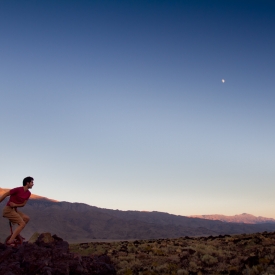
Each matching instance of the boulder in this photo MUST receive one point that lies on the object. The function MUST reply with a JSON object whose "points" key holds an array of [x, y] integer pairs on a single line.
{"points": [[50, 255], [34, 237]]}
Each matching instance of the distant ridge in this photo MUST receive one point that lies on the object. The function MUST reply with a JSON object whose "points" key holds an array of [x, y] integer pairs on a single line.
{"points": [[79, 222], [242, 218]]}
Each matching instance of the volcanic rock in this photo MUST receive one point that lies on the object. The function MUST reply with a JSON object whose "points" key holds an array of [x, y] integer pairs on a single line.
{"points": [[50, 255]]}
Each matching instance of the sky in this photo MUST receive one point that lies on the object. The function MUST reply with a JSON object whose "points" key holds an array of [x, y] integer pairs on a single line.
{"points": [[121, 104]]}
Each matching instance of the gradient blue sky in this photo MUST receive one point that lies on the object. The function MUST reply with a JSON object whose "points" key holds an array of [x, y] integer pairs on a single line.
{"points": [[120, 104]]}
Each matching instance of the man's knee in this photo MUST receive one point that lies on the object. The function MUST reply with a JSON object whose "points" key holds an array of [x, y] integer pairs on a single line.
{"points": [[22, 224], [26, 219]]}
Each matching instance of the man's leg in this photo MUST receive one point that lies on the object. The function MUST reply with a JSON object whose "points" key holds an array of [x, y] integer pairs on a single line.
{"points": [[25, 218], [15, 217], [17, 231]]}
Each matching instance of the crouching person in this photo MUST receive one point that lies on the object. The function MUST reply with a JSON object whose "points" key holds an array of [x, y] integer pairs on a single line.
{"points": [[18, 198]]}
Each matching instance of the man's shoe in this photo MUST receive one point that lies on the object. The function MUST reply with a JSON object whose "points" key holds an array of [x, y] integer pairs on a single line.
{"points": [[12, 244]]}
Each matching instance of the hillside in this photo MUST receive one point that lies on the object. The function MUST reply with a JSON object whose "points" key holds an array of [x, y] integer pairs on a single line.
{"points": [[76, 222]]}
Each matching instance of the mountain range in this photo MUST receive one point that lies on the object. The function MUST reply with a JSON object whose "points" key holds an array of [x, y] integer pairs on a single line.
{"points": [[242, 218], [79, 222]]}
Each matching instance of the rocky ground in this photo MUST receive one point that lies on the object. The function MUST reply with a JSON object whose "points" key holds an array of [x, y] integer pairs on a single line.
{"points": [[49, 255], [247, 254]]}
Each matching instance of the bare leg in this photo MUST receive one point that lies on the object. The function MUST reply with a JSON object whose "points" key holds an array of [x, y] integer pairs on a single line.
{"points": [[20, 227], [26, 218], [16, 232]]}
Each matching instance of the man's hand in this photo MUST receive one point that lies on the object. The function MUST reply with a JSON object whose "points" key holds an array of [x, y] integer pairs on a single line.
{"points": [[12, 204]]}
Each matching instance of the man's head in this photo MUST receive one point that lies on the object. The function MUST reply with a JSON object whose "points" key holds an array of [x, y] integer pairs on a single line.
{"points": [[28, 181]]}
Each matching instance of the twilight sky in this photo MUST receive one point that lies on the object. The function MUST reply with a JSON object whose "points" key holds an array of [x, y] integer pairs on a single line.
{"points": [[121, 105]]}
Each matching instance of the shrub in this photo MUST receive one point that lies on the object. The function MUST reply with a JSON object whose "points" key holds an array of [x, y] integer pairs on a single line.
{"points": [[182, 272], [209, 260], [158, 252], [122, 264], [128, 272], [193, 266], [161, 268]]}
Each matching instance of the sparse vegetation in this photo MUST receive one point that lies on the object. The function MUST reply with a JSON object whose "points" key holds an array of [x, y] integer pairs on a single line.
{"points": [[245, 254]]}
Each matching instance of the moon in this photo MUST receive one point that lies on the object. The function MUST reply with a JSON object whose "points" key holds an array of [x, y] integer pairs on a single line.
{"points": [[223, 80]]}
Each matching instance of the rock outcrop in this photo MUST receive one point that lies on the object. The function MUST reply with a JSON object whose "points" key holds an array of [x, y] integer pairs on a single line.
{"points": [[50, 255]]}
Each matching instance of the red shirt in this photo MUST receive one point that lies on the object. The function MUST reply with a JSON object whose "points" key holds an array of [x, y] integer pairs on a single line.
{"points": [[18, 195]]}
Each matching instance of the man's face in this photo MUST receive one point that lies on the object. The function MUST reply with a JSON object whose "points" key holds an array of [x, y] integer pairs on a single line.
{"points": [[30, 184]]}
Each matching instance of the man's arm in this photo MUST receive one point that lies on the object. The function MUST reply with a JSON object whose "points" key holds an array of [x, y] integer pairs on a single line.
{"points": [[4, 196], [12, 204]]}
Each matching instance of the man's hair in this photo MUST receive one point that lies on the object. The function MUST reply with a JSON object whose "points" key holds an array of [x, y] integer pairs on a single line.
{"points": [[27, 180]]}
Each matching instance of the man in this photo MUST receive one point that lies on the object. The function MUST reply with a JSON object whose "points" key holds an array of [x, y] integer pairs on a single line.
{"points": [[18, 198]]}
